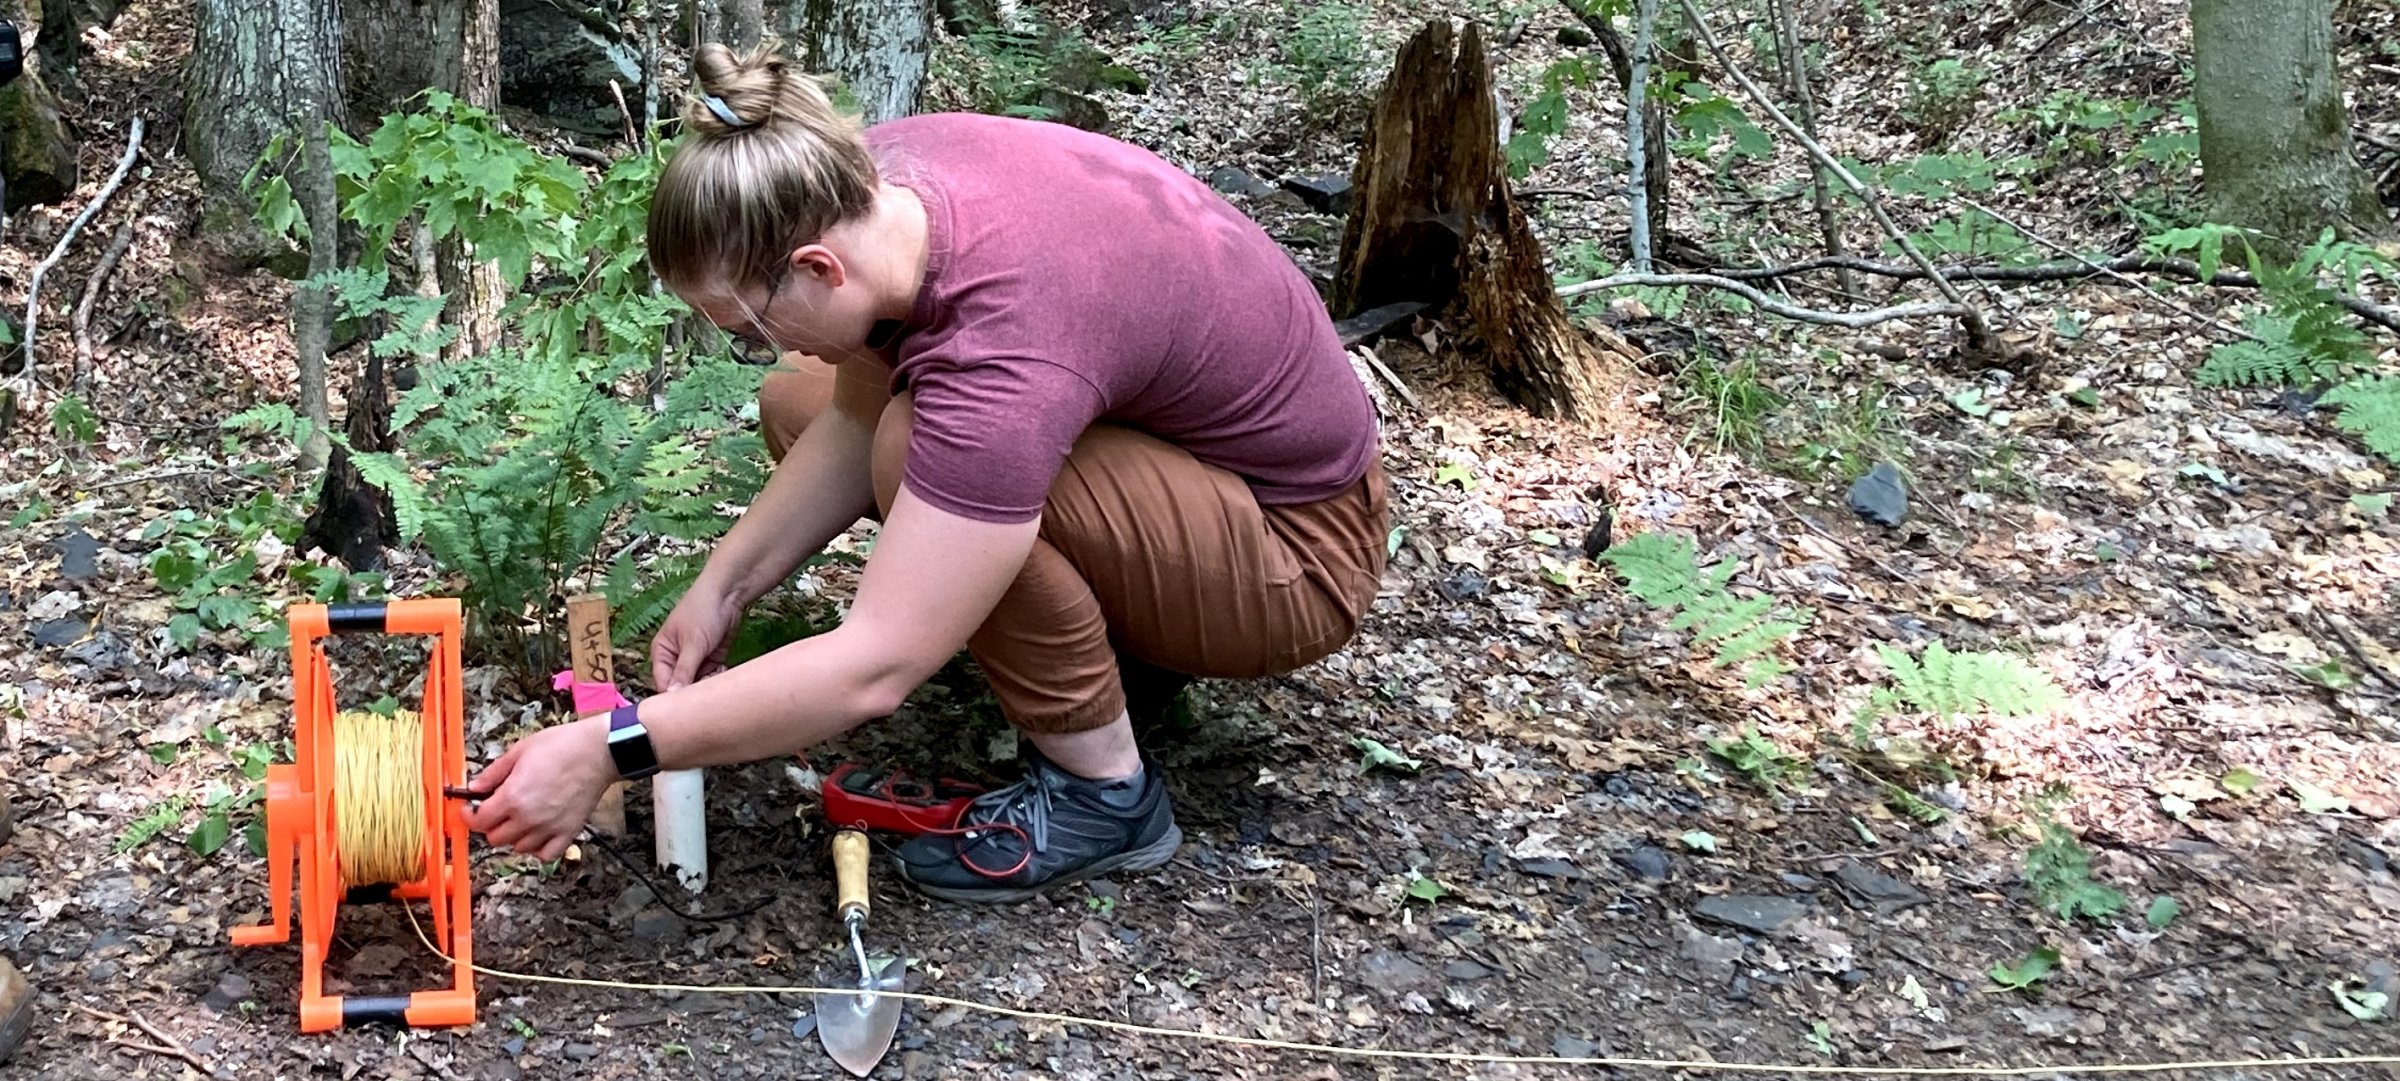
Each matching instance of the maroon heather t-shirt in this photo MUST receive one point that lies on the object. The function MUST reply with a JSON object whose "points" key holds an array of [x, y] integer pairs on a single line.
{"points": [[1072, 277]]}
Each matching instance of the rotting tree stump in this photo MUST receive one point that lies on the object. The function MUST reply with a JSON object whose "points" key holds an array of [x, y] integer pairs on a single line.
{"points": [[1434, 223]]}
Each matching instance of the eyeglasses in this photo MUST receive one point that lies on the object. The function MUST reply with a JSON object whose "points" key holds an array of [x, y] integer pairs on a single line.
{"points": [[749, 350]]}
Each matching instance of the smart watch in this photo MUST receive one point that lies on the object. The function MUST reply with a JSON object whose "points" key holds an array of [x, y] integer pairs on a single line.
{"points": [[629, 744]]}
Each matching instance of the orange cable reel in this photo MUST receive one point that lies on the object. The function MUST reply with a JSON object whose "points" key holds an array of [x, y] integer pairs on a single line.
{"points": [[361, 813]]}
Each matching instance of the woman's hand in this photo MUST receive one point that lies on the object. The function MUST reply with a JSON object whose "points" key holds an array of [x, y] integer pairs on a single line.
{"points": [[540, 794], [692, 642]]}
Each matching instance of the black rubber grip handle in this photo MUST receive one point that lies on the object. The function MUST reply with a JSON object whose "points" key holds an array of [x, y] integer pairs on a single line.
{"points": [[381, 1009], [371, 894], [355, 618]]}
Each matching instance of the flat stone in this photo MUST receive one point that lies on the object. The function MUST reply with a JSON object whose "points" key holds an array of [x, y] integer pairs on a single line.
{"points": [[1881, 496], [1376, 320], [1798, 881], [1645, 861], [1565, 1046], [1757, 915], [1234, 180], [1393, 973], [805, 1027], [514, 1045], [1467, 970], [581, 1052], [1551, 868], [78, 555], [659, 925], [1325, 193], [1101, 887], [1870, 886], [231, 990], [57, 633], [1715, 956]]}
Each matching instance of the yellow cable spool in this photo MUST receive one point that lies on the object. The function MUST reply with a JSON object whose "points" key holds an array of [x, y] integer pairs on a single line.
{"points": [[379, 797]]}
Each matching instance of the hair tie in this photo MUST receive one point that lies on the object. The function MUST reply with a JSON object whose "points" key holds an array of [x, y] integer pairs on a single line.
{"points": [[717, 105]]}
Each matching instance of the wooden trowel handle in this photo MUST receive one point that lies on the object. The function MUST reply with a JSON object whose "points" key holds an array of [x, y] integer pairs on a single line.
{"points": [[850, 873]]}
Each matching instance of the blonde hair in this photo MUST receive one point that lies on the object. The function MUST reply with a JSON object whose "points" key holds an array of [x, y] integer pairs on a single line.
{"points": [[776, 170]]}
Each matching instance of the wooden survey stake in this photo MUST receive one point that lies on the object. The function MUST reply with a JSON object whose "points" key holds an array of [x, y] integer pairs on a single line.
{"points": [[593, 661]]}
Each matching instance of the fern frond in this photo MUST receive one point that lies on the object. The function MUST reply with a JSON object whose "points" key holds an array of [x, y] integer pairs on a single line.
{"points": [[2371, 411], [636, 610], [1950, 685], [1662, 571]]}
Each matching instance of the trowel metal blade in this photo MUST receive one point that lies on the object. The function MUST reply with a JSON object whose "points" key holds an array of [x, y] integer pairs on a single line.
{"points": [[856, 1028]]}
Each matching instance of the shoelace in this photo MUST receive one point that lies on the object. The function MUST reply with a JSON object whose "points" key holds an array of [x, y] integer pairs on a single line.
{"points": [[1027, 801]]}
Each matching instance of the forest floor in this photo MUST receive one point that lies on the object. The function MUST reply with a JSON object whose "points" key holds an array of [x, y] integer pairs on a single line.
{"points": [[1607, 846]]}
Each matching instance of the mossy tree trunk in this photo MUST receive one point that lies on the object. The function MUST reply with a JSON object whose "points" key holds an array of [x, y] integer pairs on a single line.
{"points": [[879, 51], [1434, 223], [2274, 136]]}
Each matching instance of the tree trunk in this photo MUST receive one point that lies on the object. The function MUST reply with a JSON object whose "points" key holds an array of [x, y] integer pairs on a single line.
{"points": [[747, 22], [259, 69], [877, 50], [472, 71], [2275, 147], [60, 43], [1795, 71], [1434, 223], [312, 307], [353, 520]]}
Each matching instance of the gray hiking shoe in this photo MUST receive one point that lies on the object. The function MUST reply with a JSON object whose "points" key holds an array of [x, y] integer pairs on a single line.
{"points": [[1050, 829]]}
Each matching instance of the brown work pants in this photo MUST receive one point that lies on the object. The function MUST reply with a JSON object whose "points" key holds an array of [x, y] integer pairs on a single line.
{"points": [[1146, 555]]}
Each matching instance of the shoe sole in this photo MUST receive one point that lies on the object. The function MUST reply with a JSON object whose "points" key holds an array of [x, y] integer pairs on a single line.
{"points": [[1154, 854]]}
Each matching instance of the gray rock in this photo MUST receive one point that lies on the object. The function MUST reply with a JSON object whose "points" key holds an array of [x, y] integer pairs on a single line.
{"points": [[559, 66], [1551, 869], [514, 1045], [102, 652], [37, 156], [1646, 861], [1870, 887], [1233, 180], [659, 925], [1466, 586], [231, 989], [1714, 956], [1565, 1046], [1393, 973], [78, 555], [1881, 496], [580, 1052], [54, 633], [1325, 193], [1757, 915], [1797, 881], [805, 1027], [2383, 978], [1467, 970]]}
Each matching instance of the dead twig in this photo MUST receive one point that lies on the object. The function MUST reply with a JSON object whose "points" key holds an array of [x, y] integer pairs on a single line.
{"points": [[1978, 332], [2342, 630], [2116, 274], [2388, 318], [167, 1045], [91, 295], [33, 288], [2155, 971], [1853, 320], [1391, 377]]}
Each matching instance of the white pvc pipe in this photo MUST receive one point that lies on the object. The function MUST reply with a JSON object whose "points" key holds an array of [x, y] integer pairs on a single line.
{"points": [[681, 817]]}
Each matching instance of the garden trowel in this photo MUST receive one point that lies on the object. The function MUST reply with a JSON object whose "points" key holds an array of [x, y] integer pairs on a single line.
{"points": [[857, 1028]]}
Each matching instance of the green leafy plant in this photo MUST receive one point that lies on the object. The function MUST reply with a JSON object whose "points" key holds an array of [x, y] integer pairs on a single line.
{"points": [[160, 819], [1663, 572], [1955, 685], [523, 468], [210, 569], [2060, 871], [1758, 758], [2032, 969]]}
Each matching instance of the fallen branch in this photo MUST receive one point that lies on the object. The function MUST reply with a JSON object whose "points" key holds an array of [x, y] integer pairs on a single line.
{"points": [[1978, 332], [91, 295], [33, 289], [2117, 274], [1853, 320], [167, 1045], [2388, 318]]}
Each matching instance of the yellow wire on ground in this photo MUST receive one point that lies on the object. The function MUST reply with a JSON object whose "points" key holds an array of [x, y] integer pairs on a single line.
{"points": [[1462, 1057], [379, 797]]}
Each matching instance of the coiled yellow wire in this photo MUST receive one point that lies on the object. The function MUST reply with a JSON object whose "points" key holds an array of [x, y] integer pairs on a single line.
{"points": [[379, 797]]}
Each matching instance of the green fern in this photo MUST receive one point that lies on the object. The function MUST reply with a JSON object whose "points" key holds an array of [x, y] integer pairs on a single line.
{"points": [[1665, 574], [2371, 411], [161, 818], [2060, 871], [1952, 685]]}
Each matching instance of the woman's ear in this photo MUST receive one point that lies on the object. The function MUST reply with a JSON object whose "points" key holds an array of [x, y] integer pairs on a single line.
{"points": [[819, 262]]}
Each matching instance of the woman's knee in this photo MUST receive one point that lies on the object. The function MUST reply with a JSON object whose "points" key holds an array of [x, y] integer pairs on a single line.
{"points": [[791, 397]]}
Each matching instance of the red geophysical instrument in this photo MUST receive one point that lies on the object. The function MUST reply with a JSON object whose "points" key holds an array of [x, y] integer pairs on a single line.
{"points": [[363, 814]]}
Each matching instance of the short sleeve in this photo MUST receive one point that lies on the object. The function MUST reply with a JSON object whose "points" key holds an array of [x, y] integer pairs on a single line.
{"points": [[990, 435]]}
